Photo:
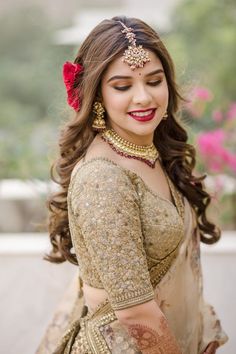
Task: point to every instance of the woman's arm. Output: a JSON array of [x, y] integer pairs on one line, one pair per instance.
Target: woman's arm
[[149, 328]]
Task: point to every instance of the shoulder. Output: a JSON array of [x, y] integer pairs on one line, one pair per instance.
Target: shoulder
[[100, 180], [100, 170], [100, 161]]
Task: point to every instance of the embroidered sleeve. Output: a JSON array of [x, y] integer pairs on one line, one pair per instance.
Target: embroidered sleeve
[[105, 204]]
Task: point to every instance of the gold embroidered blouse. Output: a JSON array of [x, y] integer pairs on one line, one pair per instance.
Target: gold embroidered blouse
[[125, 236]]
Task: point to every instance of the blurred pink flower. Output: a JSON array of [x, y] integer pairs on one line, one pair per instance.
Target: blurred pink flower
[[231, 114], [198, 99], [217, 115], [214, 153], [192, 108], [203, 94], [232, 162]]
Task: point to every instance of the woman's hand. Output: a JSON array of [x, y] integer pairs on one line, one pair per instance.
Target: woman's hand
[[211, 348]]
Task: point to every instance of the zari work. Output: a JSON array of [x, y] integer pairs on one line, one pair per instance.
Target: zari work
[[138, 246]]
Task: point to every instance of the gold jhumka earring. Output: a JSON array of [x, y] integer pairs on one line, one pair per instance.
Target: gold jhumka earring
[[165, 116], [99, 123]]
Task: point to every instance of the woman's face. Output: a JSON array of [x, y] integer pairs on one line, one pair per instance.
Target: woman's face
[[135, 101]]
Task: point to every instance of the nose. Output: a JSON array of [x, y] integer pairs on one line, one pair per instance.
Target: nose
[[141, 96]]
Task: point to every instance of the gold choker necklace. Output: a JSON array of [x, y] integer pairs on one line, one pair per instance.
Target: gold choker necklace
[[147, 154]]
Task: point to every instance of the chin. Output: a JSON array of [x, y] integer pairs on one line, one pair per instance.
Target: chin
[[144, 131]]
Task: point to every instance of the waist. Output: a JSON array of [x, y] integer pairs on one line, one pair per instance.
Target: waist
[[93, 296]]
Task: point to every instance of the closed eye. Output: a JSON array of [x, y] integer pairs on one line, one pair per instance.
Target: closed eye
[[121, 88], [150, 83], [154, 83]]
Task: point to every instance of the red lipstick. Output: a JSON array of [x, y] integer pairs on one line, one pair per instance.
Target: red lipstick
[[143, 115]]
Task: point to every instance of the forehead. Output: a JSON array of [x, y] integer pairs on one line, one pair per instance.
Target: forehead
[[118, 67]]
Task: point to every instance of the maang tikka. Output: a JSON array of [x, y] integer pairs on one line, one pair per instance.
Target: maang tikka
[[135, 56]]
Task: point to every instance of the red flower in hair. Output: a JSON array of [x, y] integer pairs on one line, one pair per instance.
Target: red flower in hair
[[70, 74]]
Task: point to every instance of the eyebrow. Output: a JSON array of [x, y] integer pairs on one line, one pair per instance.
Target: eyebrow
[[117, 77]]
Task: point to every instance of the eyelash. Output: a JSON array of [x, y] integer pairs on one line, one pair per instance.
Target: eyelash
[[124, 88]]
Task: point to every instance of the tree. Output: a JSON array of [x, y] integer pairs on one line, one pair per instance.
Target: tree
[[31, 92], [203, 45]]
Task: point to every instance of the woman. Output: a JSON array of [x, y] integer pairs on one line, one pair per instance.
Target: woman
[[130, 205]]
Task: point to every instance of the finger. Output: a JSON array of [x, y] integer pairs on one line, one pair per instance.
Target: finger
[[211, 348]]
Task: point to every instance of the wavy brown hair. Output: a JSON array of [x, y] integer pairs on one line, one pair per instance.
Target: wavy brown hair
[[105, 43]]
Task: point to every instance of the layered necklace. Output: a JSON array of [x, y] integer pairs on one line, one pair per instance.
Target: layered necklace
[[145, 153]]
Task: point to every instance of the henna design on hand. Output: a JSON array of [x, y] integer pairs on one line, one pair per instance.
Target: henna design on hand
[[149, 341]]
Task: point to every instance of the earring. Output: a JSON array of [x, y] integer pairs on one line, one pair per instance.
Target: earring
[[165, 116], [99, 123]]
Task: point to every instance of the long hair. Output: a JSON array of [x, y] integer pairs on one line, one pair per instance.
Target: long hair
[[104, 44]]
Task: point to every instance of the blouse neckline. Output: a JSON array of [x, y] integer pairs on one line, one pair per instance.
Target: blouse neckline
[[173, 190]]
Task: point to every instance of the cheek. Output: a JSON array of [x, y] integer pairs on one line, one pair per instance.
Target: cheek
[[114, 102], [163, 93]]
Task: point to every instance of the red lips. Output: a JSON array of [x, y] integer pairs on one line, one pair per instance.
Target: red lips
[[143, 118]]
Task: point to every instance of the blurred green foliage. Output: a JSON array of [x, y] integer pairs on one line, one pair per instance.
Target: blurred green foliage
[[202, 44], [32, 96]]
